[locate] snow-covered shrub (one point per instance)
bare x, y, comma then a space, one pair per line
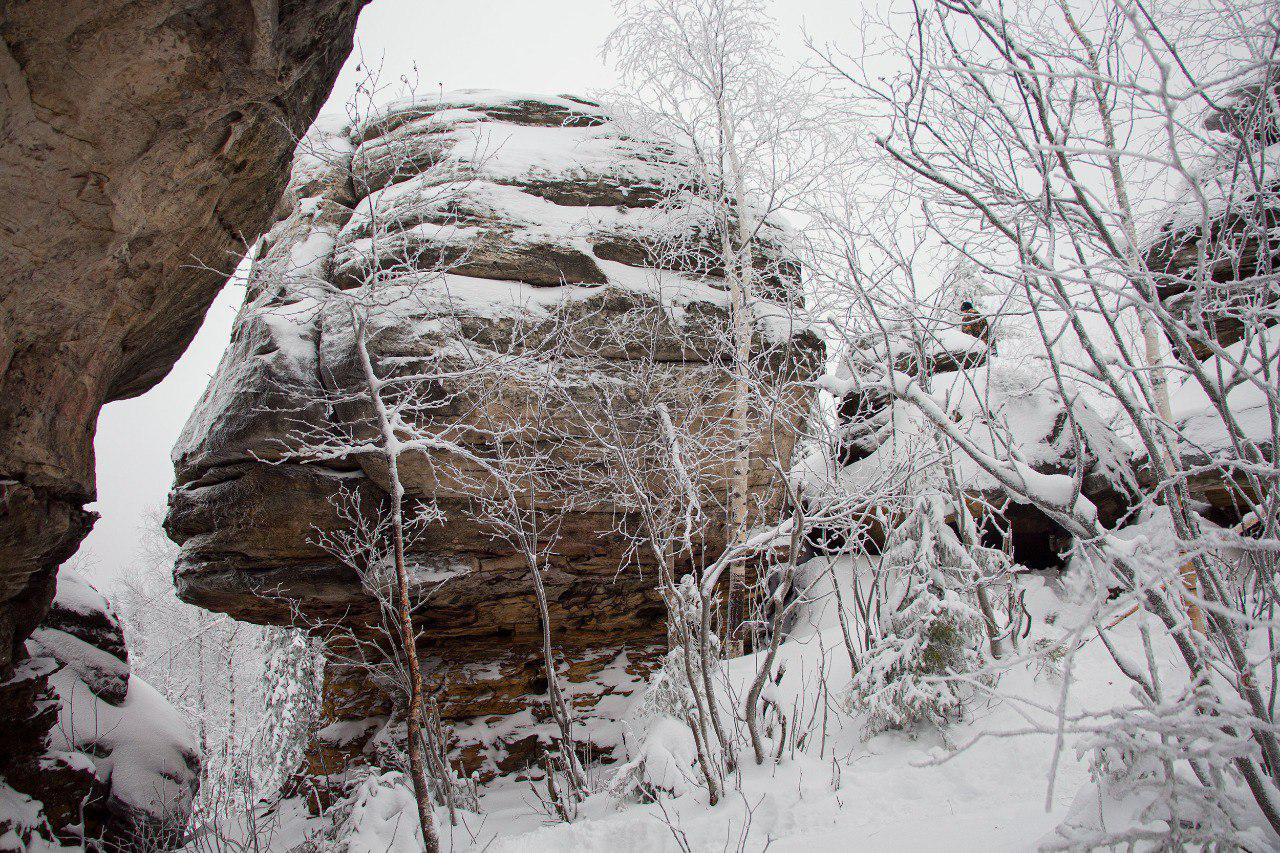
665, 761
678, 750
670, 694
291, 703
929, 634
1144, 792
1047, 658
380, 815
903, 683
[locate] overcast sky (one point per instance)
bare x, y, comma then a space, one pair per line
540, 46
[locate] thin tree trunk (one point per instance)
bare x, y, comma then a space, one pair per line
417, 758
738, 269
707, 662
686, 626
969, 538
437, 753
558, 707
752, 707
740, 440
843, 618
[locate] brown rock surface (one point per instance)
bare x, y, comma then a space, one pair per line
1215, 262
141, 145
461, 182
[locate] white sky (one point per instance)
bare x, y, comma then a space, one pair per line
541, 46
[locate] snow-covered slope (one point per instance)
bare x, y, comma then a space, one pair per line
1001, 781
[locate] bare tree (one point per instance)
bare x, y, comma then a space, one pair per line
525, 495
704, 75
385, 407
1019, 139
655, 446
208, 666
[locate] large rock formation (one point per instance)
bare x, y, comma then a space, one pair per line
1215, 252
98, 756
482, 223
1005, 405
1215, 255
141, 145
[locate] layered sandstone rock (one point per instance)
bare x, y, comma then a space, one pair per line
98, 756
481, 224
1215, 256
141, 143
1004, 405
1215, 251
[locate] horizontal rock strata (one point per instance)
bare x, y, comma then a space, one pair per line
488, 225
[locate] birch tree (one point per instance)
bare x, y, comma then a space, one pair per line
748, 141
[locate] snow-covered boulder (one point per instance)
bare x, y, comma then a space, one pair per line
1214, 248
1207, 445
484, 221
946, 351
863, 413
1007, 408
83, 632
114, 761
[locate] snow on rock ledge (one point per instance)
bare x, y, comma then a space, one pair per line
492, 209
109, 750
1007, 406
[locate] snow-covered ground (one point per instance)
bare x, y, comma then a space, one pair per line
976, 787
889, 793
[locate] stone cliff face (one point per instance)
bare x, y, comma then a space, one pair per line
1214, 256
502, 220
141, 145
